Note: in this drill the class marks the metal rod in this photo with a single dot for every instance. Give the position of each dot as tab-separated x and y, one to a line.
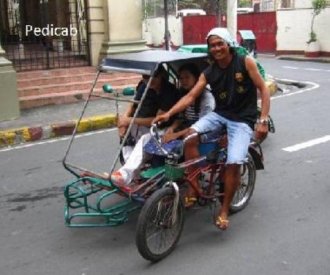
110	97
76	127
131	123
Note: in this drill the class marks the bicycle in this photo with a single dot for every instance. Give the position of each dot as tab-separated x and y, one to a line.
161	219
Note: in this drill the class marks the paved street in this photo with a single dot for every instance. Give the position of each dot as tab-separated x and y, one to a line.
284	229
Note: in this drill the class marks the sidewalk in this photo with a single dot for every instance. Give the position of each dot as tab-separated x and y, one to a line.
58	120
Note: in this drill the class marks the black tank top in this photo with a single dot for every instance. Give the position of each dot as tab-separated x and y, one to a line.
234	91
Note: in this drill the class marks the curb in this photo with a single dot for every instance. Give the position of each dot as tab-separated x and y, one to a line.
17	136
301	58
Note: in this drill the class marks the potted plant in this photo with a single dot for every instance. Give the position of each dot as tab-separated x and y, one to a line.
313	47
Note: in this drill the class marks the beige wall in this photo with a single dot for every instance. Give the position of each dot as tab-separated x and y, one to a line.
123	28
114	27
9	106
293	28
96	28
125	20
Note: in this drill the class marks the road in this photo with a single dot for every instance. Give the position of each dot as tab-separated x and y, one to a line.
284	229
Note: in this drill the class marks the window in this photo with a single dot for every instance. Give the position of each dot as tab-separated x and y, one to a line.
287	4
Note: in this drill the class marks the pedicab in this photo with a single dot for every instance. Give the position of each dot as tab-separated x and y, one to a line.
92	200
87	197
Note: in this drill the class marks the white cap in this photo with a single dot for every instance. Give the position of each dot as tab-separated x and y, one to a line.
224	34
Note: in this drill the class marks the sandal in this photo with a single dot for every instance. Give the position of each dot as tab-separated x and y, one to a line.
222	223
189	201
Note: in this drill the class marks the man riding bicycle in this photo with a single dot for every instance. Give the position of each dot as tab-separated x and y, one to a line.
234	81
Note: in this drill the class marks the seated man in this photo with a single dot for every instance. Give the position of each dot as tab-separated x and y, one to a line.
161	95
234	81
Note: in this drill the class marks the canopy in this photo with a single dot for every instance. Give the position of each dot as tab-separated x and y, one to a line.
146	62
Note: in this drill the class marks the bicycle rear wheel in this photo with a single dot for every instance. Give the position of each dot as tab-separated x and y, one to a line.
245	190
159	225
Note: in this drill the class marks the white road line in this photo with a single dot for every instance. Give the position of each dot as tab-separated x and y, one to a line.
306	69
313	69
27	145
306	144
291	68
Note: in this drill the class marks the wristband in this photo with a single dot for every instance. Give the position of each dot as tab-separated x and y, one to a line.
262	121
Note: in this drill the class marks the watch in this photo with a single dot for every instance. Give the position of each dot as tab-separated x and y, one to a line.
262	121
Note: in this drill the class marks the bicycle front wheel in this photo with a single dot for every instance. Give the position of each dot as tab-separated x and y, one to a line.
159	225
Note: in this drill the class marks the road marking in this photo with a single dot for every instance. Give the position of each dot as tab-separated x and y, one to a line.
306	144
313	69
291	68
306	69
28	145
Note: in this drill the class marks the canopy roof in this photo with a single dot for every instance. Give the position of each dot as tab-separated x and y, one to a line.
146	62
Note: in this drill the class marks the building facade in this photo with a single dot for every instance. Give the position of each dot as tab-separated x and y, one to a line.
48	34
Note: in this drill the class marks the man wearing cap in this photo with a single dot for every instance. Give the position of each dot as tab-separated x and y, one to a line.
234	81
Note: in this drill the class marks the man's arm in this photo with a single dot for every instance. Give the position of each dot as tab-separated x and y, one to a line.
258	81
261	128
185	101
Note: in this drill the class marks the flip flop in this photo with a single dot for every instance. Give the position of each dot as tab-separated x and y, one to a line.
189	201
222	223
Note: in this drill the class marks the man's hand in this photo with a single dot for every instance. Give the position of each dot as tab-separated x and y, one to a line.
169	137
122	124
161	118
261	131
124	121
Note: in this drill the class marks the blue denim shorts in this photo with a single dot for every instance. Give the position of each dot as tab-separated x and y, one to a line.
239	135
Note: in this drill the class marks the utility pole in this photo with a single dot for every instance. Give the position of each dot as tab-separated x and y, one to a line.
167	34
218	12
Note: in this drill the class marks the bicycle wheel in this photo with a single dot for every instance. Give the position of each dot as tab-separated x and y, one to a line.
245	190
159	225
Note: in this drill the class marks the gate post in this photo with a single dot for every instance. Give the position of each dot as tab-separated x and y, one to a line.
123	27
9	106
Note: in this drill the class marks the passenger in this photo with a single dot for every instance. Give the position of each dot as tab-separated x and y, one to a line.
161	97
205	103
188	76
234	81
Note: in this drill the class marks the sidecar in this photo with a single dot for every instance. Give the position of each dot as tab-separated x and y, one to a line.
91	199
